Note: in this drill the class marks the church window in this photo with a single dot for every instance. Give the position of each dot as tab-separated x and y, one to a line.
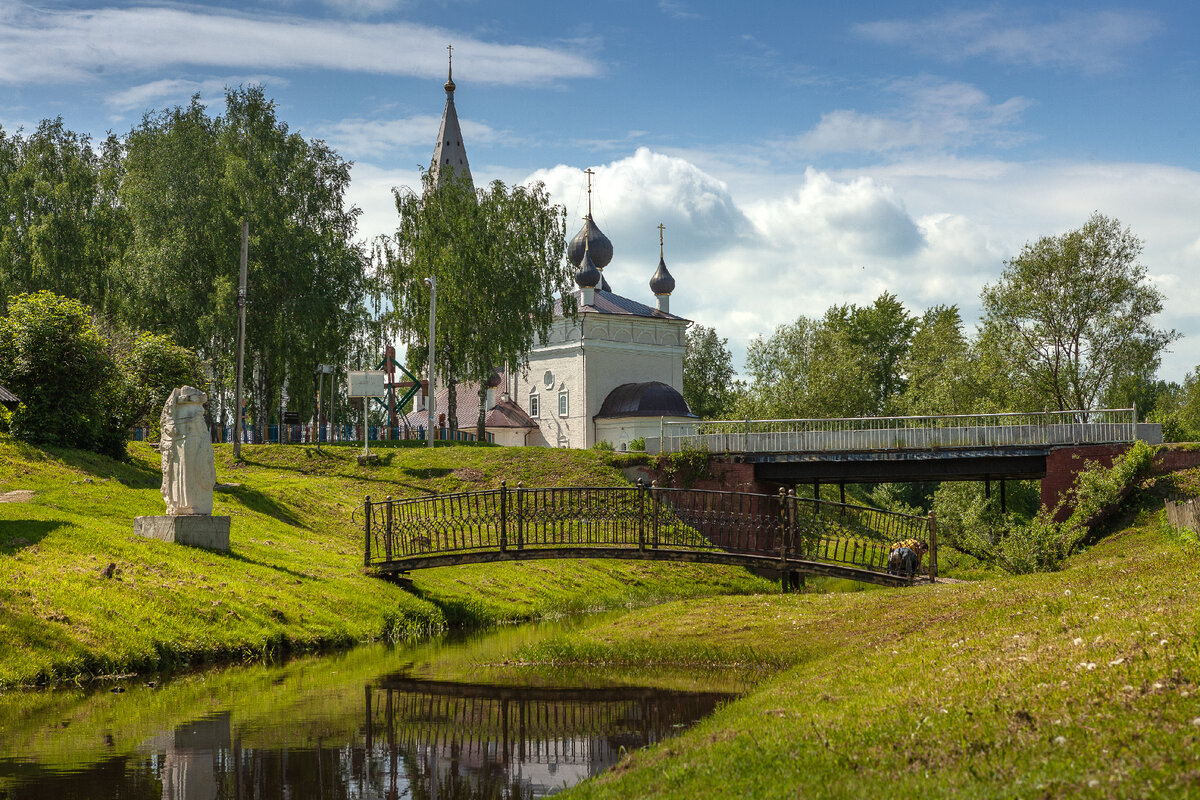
534	405
563	406
548	379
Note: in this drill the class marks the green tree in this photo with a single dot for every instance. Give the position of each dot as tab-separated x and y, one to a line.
61	228
941	378
1072	314
497	257
151	366
708	385
55	360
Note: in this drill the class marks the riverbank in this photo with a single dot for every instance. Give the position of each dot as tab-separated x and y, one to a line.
1080	683
83	597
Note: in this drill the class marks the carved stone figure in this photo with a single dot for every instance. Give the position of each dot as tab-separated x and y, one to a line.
187	454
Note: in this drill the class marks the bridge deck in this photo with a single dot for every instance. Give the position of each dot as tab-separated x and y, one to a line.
782	532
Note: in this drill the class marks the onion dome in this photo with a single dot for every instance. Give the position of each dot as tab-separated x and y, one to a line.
662	282
590	238
494	380
588	276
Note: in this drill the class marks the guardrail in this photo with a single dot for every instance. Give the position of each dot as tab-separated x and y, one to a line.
636	521
1043	428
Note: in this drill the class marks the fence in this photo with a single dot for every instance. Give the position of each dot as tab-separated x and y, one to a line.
511	522
310	434
899	433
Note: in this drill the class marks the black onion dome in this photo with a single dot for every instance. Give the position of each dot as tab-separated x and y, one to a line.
599	245
494	380
588	277
662	282
651	399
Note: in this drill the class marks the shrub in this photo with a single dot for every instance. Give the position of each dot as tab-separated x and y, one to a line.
638	445
603	444
54	359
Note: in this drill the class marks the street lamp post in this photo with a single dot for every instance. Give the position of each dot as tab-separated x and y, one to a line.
429	401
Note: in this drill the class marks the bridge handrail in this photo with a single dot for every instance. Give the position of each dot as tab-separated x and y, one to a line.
630	519
1036	428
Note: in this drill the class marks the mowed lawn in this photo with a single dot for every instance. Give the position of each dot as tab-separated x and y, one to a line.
1080	683
294	580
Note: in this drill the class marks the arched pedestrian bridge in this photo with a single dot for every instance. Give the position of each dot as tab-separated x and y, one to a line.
780	532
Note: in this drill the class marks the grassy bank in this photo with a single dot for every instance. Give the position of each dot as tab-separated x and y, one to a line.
1080	683
294	580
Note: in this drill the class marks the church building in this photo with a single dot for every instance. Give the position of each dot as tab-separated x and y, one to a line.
614	373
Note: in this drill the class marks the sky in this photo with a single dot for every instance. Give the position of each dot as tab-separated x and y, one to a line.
799	154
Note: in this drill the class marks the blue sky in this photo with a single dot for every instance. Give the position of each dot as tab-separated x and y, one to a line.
800	155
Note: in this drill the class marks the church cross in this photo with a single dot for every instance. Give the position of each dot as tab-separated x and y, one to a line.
589	173
661	228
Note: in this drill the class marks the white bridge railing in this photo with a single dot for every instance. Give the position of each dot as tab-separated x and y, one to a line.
1036	429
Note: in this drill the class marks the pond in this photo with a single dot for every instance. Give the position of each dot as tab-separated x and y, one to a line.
449	718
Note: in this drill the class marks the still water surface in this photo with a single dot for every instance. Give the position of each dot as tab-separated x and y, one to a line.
443	719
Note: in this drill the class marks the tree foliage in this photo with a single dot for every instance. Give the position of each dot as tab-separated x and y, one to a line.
708	382
497	257
55	361
1073	314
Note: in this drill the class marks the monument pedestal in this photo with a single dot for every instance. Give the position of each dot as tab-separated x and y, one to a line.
196	530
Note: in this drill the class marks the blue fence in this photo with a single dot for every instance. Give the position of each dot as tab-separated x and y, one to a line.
310	434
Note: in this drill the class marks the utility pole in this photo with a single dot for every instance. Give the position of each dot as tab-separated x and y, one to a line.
241	341
429	429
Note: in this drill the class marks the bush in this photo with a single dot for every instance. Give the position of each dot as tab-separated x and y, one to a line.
54	359
603	444
638	445
974	525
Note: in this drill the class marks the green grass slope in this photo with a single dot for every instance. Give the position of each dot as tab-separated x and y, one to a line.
294	579
1080	683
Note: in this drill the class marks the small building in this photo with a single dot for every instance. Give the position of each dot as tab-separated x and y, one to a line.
613	373
8	399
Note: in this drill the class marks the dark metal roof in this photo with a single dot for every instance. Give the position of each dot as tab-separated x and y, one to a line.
597	244
588	276
651	399
662	282
8	399
609	303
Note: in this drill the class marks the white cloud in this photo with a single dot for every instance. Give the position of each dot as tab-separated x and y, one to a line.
180	90
936	114
361	138
1091	41
673	8
71	46
929	230
363	8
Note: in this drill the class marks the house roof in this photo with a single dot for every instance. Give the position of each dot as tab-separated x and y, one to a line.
507	414
609	303
8	399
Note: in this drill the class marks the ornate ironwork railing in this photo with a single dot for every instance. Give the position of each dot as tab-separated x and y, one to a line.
637	521
1042	428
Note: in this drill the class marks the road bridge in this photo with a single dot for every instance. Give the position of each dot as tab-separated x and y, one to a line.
980	447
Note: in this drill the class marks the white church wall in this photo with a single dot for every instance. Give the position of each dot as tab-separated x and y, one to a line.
620	431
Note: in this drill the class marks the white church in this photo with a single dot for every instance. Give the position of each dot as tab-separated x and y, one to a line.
614	373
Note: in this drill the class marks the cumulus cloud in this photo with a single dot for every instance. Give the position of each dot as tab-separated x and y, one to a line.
38	46
860	218
362	138
934	114
1091	40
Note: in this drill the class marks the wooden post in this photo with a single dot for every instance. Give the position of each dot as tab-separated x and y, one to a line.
241	342
932	547
387	539
503	516
641	494
367	531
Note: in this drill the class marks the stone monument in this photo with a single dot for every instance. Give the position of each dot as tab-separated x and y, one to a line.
188	477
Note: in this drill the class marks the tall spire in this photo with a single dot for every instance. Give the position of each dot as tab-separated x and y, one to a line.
590	237
449	155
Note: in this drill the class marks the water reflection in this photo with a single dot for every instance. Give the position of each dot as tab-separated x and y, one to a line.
396	736
443	740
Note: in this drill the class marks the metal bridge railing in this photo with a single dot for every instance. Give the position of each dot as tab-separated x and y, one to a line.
1043	428
645	518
